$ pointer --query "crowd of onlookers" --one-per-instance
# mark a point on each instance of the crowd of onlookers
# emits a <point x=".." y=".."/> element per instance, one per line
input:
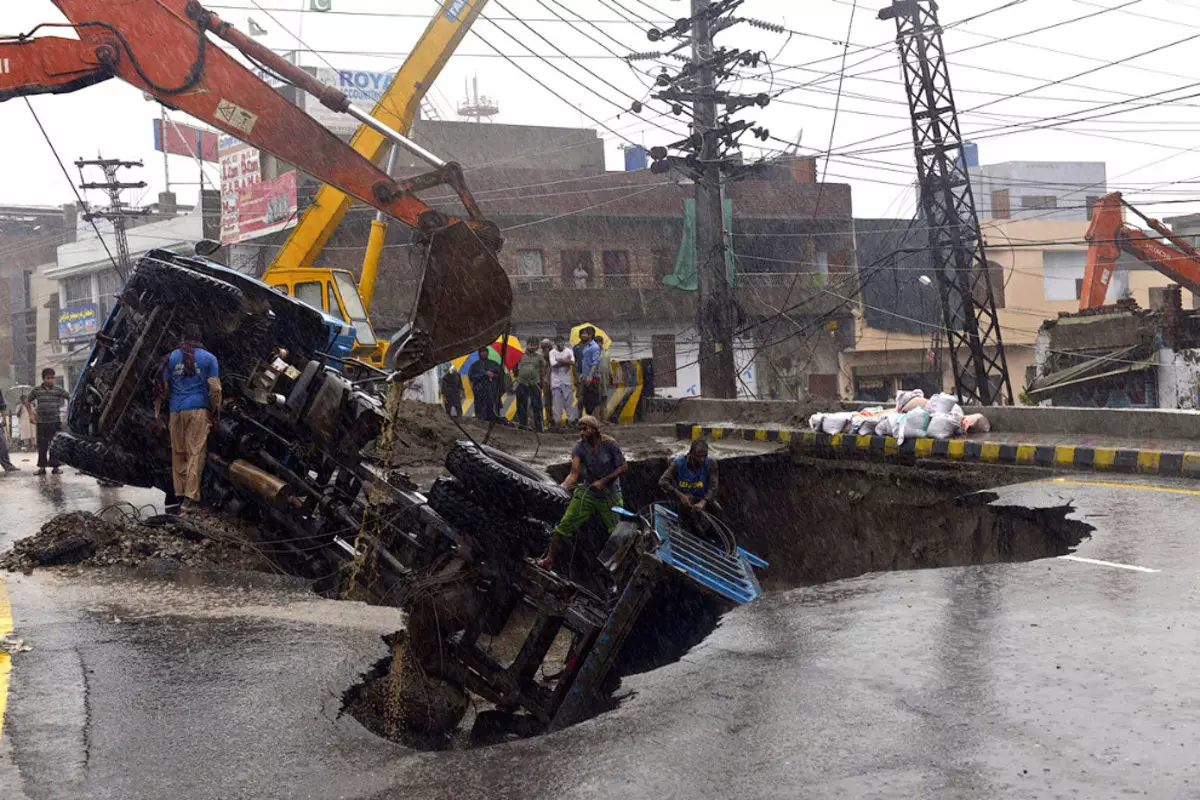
<point x="552" y="382"/>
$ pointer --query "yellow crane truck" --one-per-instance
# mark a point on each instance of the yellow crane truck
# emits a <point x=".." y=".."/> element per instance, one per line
<point x="334" y="291"/>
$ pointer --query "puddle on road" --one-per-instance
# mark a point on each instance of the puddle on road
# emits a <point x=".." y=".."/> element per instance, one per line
<point x="815" y="521"/>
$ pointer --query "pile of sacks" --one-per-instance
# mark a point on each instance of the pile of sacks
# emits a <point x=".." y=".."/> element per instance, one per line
<point x="913" y="417"/>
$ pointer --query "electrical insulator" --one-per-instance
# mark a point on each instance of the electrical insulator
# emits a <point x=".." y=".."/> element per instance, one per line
<point x="773" y="27"/>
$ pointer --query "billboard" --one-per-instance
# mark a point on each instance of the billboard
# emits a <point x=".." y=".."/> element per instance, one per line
<point x="265" y="207"/>
<point x="363" y="87"/>
<point x="239" y="170"/>
<point x="185" y="140"/>
<point x="78" y="321"/>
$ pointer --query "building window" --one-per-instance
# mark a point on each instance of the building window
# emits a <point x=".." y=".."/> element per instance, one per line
<point x="529" y="264"/>
<point x="1039" y="202"/>
<point x="1062" y="273"/>
<point x="77" y="291"/>
<point x="664" y="263"/>
<point x="820" y="269"/>
<point x="662" y="351"/>
<point x="577" y="268"/>
<point x="996" y="278"/>
<point x="110" y="285"/>
<point x="1001" y="204"/>
<point x="310" y="293"/>
<point x="616" y="268"/>
<point x="1091" y="203"/>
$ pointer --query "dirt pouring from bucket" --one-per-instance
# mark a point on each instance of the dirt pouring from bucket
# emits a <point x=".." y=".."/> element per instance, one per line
<point x="815" y="521"/>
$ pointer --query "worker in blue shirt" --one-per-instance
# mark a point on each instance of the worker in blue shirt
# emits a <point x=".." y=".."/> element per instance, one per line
<point x="692" y="479"/>
<point x="589" y="373"/>
<point x="190" y="381"/>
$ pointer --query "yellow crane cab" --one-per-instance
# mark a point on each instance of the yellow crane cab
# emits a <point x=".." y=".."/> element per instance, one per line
<point x="334" y="292"/>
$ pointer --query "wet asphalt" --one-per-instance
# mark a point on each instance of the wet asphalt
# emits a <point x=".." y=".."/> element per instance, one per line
<point x="1056" y="678"/>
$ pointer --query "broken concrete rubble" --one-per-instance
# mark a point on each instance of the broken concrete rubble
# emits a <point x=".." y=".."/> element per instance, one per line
<point x="80" y="537"/>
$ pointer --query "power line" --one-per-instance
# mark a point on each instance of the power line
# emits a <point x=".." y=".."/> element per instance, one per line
<point x="74" y="191"/>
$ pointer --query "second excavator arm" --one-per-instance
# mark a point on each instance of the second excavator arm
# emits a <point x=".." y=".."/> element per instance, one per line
<point x="1109" y="236"/>
<point x="163" y="48"/>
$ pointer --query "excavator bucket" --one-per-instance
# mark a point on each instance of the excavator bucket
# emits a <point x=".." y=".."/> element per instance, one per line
<point x="464" y="303"/>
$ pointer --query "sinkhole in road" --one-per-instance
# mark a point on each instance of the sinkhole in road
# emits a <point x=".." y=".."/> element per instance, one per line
<point x="814" y="520"/>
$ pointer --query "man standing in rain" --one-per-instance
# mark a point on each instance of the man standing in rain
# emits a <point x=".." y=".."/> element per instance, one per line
<point x="589" y="372"/>
<point x="48" y="400"/>
<point x="5" y="461"/>
<point x="562" y="360"/>
<point x="597" y="465"/>
<point x="191" y="382"/>
<point x="486" y="383"/>
<point x="452" y="391"/>
<point x="529" y="386"/>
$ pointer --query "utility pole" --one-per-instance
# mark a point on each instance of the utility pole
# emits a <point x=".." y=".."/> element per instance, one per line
<point x="718" y="373"/>
<point x="116" y="212"/>
<point x="712" y="159"/>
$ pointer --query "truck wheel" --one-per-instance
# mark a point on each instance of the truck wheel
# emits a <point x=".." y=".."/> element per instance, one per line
<point x="158" y="281"/>
<point x="514" y="535"/>
<point x="102" y="460"/>
<point x="502" y="481"/>
<point x="67" y="551"/>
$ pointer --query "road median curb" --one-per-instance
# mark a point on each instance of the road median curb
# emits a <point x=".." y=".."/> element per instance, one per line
<point x="1076" y="458"/>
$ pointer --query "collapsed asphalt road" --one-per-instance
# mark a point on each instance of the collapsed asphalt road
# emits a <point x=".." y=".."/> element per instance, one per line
<point x="1011" y="680"/>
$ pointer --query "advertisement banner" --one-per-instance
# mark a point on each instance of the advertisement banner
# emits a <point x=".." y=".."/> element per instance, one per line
<point x="239" y="171"/>
<point x="266" y="207"/>
<point x="185" y="140"/>
<point x="78" y="322"/>
<point x="364" y="88"/>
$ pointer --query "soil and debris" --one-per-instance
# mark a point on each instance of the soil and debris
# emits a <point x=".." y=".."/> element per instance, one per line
<point x="125" y="539"/>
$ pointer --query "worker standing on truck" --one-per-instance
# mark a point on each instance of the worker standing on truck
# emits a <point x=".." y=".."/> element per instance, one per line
<point x="452" y="391"/>
<point x="48" y="399"/>
<point x="529" y="386"/>
<point x="191" y="381"/>
<point x="562" y="360"/>
<point x="692" y="479"/>
<point x="597" y="465"/>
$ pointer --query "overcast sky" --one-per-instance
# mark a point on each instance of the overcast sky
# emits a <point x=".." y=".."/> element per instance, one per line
<point x="1152" y="152"/>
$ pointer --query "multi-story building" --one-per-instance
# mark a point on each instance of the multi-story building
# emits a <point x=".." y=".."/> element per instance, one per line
<point x="616" y="249"/>
<point x="29" y="236"/>
<point x="1059" y="191"/>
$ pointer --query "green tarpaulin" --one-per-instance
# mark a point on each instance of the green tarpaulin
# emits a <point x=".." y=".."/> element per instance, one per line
<point x="685" y="275"/>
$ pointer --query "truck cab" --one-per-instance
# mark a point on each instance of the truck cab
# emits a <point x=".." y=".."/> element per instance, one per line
<point x="334" y="292"/>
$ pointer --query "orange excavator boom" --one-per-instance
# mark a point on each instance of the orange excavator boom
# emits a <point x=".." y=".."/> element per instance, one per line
<point x="163" y="48"/>
<point x="1109" y="236"/>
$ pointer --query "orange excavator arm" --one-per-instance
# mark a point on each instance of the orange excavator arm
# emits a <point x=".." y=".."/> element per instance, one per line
<point x="163" y="48"/>
<point x="1109" y="236"/>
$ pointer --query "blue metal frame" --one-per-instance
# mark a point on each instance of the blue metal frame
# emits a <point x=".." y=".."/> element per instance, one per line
<point x="730" y="576"/>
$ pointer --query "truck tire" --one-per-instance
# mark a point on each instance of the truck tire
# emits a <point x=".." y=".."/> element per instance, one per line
<point x="514" y="536"/>
<point x="158" y="281"/>
<point x="504" y="482"/>
<point x="71" y="550"/>
<point x="102" y="460"/>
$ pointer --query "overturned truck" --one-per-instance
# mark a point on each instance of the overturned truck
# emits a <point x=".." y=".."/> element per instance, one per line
<point x="288" y="451"/>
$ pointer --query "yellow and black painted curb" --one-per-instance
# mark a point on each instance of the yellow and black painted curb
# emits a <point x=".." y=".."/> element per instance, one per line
<point x="6" y="627"/>
<point x="1083" y="459"/>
